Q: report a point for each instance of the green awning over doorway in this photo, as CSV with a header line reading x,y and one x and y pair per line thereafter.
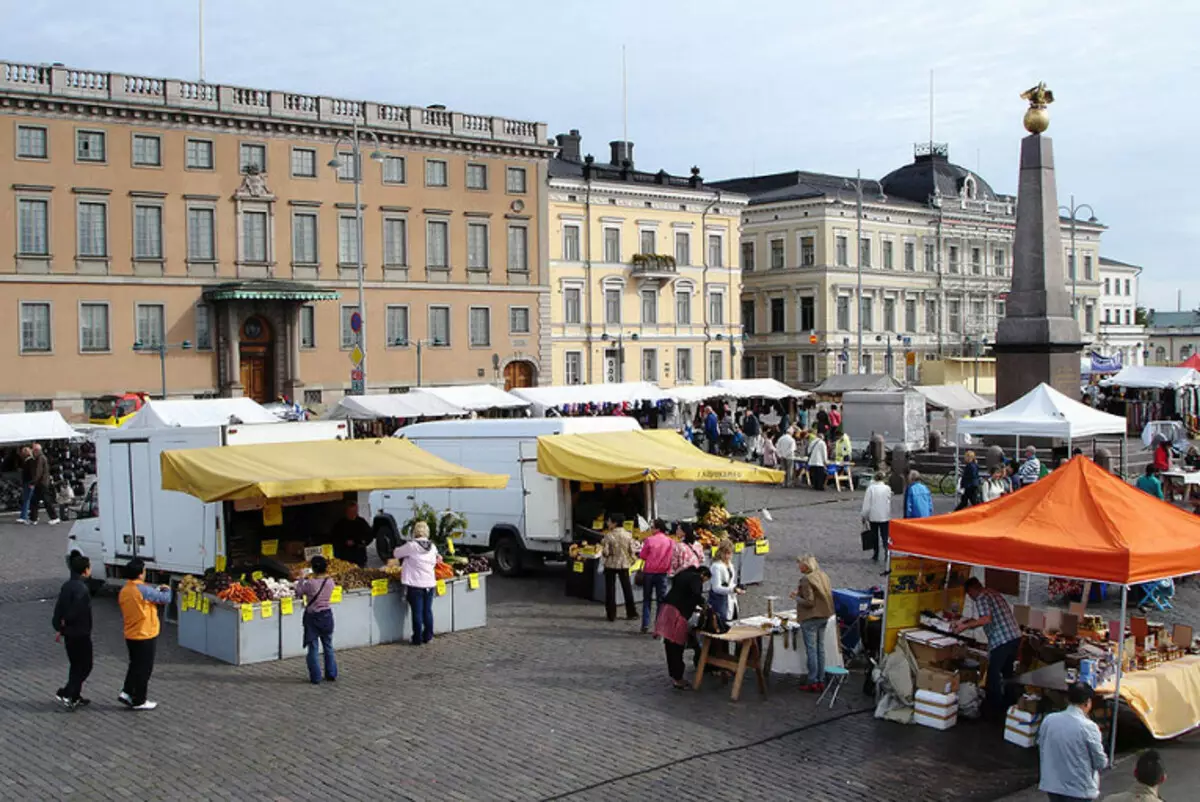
x,y
268,290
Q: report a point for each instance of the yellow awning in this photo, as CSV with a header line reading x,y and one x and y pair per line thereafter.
x,y
279,470
640,456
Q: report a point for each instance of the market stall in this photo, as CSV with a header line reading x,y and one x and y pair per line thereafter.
x,y
482,399
382,414
1150,393
198,412
71,456
642,400
771,389
1080,519
282,501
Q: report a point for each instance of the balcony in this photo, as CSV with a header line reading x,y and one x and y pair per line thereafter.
x,y
654,267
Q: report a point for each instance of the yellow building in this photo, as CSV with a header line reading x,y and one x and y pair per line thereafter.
x,y
644,272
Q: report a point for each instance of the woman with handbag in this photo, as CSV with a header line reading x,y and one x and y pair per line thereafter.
x,y
317,590
682,600
723,590
814,606
686,553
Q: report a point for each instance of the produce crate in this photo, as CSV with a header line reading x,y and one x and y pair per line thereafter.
x,y
193,628
352,620
291,632
580,583
753,566
443,610
390,617
470,606
231,639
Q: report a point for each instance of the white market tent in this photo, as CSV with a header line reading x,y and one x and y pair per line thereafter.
x,y
1045,412
543,398
694,394
394,405
759,388
473,397
953,397
198,412
26,427
1145,377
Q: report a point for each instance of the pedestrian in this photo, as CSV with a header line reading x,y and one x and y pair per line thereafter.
x,y
43,488
1030,470
655,555
785,447
316,589
842,447
835,417
724,590
770,454
617,553
725,429
419,558
822,422
814,606
969,483
686,552
995,485
1162,455
682,600
1150,483
712,429
27,466
1071,750
752,428
995,615
73,623
1150,775
138,602
818,456
351,535
918,501
802,416
877,511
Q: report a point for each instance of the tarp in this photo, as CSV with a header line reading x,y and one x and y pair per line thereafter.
x,y
475,397
953,397
640,456
759,388
279,470
854,382
1044,412
393,405
1192,362
1144,377
1078,521
611,393
1098,363
26,427
1166,698
691,394
198,412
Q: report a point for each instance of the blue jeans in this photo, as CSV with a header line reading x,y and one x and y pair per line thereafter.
x,y
26,497
318,634
813,630
1000,668
657,583
420,601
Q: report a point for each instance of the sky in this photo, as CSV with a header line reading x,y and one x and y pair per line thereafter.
x,y
735,88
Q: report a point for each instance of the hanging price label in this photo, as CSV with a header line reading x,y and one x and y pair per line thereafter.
x,y
473,581
335,596
185,602
327,551
268,609
196,598
450,546
762,547
441,587
270,548
247,612
598,523
257,575
577,567
206,605
379,587
738,548
272,514
220,562
285,605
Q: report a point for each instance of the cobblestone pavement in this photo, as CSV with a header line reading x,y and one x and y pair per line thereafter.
x,y
550,701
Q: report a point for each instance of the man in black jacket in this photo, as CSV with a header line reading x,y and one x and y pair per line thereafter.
x,y
73,623
43,487
351,535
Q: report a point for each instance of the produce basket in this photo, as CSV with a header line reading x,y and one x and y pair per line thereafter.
x,y
470,604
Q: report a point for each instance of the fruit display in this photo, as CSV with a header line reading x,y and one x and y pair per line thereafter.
x,y
216,581
582,551
715,517
443,570
190,584
475,565
357,578
279,588
238,593
707,538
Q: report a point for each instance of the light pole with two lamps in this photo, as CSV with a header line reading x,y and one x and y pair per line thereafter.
x,y
1072,211
161,349
619,339
890,358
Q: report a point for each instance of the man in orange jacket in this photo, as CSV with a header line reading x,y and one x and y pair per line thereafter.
x,y
138,600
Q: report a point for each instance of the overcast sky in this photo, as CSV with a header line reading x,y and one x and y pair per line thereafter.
x,y
736,88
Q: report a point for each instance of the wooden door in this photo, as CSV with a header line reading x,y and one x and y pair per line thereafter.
x,y
254,375
518,374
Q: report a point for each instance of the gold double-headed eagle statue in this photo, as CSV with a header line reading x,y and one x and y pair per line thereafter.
x,y
1037,117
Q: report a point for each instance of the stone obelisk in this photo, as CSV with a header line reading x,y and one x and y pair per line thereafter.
x,y
1038,339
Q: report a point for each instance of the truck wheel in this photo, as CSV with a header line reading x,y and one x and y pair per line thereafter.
x,y
508,555
386,540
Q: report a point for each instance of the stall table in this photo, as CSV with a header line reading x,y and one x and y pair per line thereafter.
x,y
748,642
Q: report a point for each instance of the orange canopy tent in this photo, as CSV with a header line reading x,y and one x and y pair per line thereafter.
x,y
1078,521
1192,361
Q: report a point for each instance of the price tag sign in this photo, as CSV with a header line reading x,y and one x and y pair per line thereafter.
x,y
185,602
327,551
257,575
206,605
220,562
268,609
272,514
450,546
285,605
473,581
714,551
247,612
313,551
336,596
577,567
441,587
738,548
586,487
637,565
628,526
762,547
270,548
598,523
379,587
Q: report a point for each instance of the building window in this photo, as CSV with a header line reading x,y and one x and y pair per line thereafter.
x,y
683,365
31,142
150,325
716,308
435,173
779,368
953,258
716,251
1087,266
955,316
910,316
777,254
646,239
978,313
808,251
864,252
571,305
931,316
748,367
683,248
748,317
649,307
39,405
35,328
515,180
518,249
930,259
910,256
312,398
204,327
397,326
347,240
841,246
716,366
683,308
868,363
748,256
1128,284
778,316
1128,317
649,365
1106,286
147,232
612,305
308,327
476,176
394,170
304,163
252,156
395,241
198,154
254,236
147,150
808,368
976,261
349,338
888,263
93,328
200,231
998,261
1000,308
612,245
1089,318
571,243
1070,265
1106,316
92,229
348,165
437,245
518,320
866,312
808,313
477,246
573,367
889,315
304,238
33,238
89,146
439,325
843,313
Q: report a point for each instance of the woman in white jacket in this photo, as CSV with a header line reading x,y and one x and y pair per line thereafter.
x,y
723,589
877,511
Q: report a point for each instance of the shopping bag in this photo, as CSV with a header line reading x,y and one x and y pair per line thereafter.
x,y
868,539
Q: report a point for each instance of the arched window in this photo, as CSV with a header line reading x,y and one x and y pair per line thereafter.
x,y
1184,352
970,189
1160,354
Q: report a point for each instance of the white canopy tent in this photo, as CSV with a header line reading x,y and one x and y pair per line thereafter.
x,y
473,397
198,412
1148,377
694,394
394,405
26,427
953,397
759,388
543,398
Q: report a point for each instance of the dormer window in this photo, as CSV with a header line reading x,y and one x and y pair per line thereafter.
x,y
970,189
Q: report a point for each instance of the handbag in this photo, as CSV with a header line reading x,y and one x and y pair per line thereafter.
x,y
639,578
710,623
868,539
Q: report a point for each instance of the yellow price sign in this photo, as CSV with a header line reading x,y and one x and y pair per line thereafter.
x,y
206,605
272,514
247,612
473,581
714,551
268,609
441,587
196,598
285,605
762,547
577,567
379,587
450,546
738,548
587,487
185,602
220,562
327,551
637,565
628,526
270,548
257,575
336,595
598,523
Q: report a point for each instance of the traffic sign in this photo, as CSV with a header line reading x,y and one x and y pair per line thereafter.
x,y
355,322
357,387
356,355
356,375
910,358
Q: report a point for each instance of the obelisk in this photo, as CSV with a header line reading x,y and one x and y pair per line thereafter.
x,y
1038,339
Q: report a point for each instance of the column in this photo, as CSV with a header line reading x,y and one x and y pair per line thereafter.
x,y
233,381
292,315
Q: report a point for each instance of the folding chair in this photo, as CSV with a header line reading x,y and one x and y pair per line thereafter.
x,y
841,473
837,678
1157,594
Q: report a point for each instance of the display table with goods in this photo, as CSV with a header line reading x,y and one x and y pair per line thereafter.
x,y
785,650
748,654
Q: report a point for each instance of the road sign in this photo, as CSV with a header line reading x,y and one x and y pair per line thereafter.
x,y
910,357
356,356
356,375
357,387
355,322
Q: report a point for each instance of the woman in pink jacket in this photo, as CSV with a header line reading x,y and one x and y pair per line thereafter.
x,y
419,557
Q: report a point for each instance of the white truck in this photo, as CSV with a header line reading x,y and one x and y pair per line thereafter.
x,y
130,515
531,519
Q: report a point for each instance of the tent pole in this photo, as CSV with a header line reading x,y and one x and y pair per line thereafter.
x,y
1112,749
883,629
957,466
1124,466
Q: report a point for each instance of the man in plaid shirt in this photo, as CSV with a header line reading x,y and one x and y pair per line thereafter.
x,y
995,615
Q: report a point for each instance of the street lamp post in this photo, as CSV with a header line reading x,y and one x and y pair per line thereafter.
x,y
1072,211
619,339
858,262
161,349
336,163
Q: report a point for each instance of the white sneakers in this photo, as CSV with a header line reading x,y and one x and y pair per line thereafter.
x,y
126,700
28,522
54,521
25,521
147,705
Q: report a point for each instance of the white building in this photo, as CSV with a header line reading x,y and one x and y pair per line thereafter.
x,y
1120,333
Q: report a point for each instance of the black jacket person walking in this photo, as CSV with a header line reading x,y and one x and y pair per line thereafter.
x,y
73,623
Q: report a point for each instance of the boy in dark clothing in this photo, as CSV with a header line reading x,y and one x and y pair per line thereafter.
x,y
73,623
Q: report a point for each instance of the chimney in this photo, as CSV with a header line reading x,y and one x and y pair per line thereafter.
x,y
569,146
622,153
